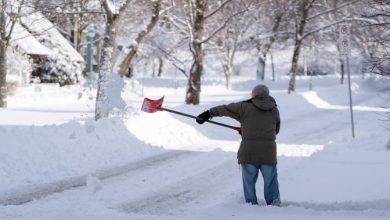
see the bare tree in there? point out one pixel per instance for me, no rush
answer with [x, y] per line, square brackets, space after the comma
[377, 42]
[9, 14]
[358, 34]
[303, 14]
[132, 49]
[268, 19]
[170, 38]
[196, 22]
[232, 38]
[228, 49]
[113, 16]
[197, 17]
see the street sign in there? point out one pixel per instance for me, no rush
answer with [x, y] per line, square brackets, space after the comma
[344, 39]
[345, 50]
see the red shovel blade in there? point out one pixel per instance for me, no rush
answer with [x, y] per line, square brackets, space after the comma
[150, 105]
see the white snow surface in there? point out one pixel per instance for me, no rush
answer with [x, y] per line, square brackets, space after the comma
[58, 163]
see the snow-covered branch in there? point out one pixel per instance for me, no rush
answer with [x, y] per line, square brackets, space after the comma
[335, 23]
[109, 8]
[309, 5]
[112, 9]
[217, 9]
[173, 60]
[179, 23]
[13, 22]
[132, 50]
[76, 12]
[333, 9]
[219, 28]
[379, 24]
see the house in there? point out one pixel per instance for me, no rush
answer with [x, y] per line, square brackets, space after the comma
[23, 43]
[65, 64]
[47, 33]
[53, 57]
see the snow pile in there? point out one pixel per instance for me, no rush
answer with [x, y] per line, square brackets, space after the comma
[35, 155]
[162, 129]
[113, 88]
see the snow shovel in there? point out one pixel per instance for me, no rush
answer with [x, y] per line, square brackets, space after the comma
[151, 106]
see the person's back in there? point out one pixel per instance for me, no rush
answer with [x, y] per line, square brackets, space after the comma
[259, 119]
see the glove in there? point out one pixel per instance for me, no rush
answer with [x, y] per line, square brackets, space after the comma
[203, 117]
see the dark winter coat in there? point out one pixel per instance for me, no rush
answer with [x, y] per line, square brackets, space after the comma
[260, 122]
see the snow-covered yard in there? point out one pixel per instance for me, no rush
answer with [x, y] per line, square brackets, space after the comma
[58, 163]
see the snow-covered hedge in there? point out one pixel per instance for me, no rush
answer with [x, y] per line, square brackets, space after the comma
[60, 69]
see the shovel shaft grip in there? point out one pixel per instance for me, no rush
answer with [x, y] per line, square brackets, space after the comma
[194, 117]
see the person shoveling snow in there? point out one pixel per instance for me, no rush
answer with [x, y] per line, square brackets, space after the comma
[260, 123]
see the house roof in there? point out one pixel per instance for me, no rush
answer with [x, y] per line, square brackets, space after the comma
[43, 29]
[27, 43]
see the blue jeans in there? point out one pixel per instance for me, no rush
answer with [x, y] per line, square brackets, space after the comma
[250, 173]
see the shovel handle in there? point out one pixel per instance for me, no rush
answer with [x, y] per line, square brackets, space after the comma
[194, 117]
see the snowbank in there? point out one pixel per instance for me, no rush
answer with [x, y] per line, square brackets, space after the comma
[42, 154]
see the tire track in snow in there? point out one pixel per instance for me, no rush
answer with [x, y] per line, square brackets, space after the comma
[27, 194]
[187, 194]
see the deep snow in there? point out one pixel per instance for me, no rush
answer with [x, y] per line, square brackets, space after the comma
[162, 166]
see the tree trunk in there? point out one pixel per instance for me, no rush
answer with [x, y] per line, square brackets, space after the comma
[102, 108]
[264, 49]
[341, 61]
[228, 74]
[153, 68]
[102, 98]
[305, 7]
[76, 31]
[3, 76]
[194, 80]
[294, 67]
[260, 72]
[342, 70]
[160, 67]
[228, 67]
[3, 56]
[273, 68]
